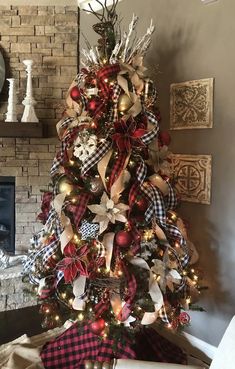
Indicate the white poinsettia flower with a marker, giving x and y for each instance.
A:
(108, 211)
(167, 276)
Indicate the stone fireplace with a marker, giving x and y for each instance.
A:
(28, 161)
(24, 163)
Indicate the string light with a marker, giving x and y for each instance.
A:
(57, 317)
(80, 317)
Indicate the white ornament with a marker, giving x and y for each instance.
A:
(85, 144)
(11, 108)
(29, 102)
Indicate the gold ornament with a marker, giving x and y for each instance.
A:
(97, 365)
(172, 216)
(106, 365)
(157, 181)
(89, 364)
(124, 103)
(64, 185)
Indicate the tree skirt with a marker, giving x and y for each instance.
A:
(73, 347)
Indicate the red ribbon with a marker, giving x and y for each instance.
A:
(105, 73)
(79, 209)
(127, 135)
(45, 207)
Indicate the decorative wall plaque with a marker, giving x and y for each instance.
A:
(193, 177)
(191, 104)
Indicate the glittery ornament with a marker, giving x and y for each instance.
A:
(123, 239)
(97, 326)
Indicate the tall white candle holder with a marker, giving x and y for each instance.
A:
(12, 100)
(29, 114)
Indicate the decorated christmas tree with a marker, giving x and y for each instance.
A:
(113, 256)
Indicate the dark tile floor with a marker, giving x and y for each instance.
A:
(14, 323)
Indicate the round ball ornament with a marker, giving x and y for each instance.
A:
(75, 93)
(96, 186)
(93, 104)
(97, 326)
(124, 103)
(184, 318)
(157, 181)
(64, 185)
(142, 204)
(123, 239)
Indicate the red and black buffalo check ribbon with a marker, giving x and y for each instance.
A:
(71, 349)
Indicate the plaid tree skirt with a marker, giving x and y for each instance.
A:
(72, 348)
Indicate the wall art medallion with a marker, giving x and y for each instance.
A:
(191, 104)
(193, 177)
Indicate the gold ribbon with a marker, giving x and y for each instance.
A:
(78, 290)
(102, 166)
(108, 245)
(67, 233)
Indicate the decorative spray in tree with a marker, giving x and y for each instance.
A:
(113, 254)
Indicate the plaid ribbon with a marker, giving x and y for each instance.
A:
(53, 223)
(116, 170)
(44, 253)
(171, 199)
(58, 160)
(62, 155)
(96, 156)
(157, 210)
(148, 137)
(72, 348)
(88, 230)
(105, 73)
(141, 173)
(117, 90)
(131, 292)
(45, 206)
(79, 209)
(63, 125)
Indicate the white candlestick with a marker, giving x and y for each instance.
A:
(29, 102)
(11, 108)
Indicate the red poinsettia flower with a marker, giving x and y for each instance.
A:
(74, 262)
(127, 135)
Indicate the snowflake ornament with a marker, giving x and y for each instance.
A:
(84, 145)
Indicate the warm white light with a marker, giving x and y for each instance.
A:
(83, 4)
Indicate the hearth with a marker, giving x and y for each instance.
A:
(7, 214)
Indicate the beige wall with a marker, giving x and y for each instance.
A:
(195, 41)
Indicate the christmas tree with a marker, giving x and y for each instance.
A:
(113, 255)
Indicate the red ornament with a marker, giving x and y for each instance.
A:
(123, 238)
(93, 104)
(75, 93)
(142, 204)
(184, 318)
(164, 138)
(97, 326)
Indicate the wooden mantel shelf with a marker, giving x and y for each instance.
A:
(19, 129)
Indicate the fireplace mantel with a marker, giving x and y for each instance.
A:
(19, 129)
